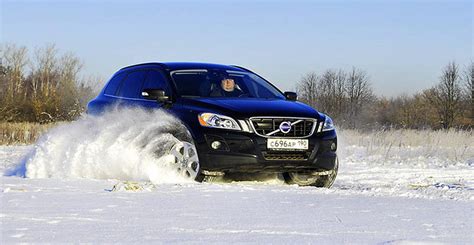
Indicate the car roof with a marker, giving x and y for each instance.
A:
(187, 65)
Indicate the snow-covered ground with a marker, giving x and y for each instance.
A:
(393, 187)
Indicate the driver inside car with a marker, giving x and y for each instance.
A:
(226, 88)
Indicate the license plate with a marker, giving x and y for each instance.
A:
(287, 144)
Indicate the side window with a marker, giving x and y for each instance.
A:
(114, 83)
(131, 86)
(155, 80)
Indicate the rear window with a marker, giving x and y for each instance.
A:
(132, 85)
(114, 83)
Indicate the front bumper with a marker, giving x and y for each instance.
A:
(247, 152)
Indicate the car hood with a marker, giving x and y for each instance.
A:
(250, 107)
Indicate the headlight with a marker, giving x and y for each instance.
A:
(212, 120)
(328, 124)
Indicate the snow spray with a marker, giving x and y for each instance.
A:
(126, 144)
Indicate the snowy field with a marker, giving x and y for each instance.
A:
(393, 187)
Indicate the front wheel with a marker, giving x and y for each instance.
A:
(312, 178)
(186, 159)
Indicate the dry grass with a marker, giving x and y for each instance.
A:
(22, 133)
(406, 144)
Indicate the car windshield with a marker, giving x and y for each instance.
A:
(223, 83)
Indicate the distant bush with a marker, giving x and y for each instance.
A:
(46, 87)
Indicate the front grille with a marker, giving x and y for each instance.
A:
(266, 126)
(285, 156)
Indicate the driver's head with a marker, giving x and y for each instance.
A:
(228, 84)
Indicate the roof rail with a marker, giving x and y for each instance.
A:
(142, 64)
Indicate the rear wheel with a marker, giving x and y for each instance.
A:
(312, 178)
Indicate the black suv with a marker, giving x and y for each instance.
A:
(237, 122)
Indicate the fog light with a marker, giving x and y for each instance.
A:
(333, 146)
(216, 145)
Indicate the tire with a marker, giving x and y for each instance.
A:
(186, 159)
(311, 178)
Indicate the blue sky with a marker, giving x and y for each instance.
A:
(401, 44)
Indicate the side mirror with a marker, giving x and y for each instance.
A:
(291, 96)
(155, 94)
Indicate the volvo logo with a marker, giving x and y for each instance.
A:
(285, 127)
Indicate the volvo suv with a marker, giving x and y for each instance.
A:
(237, 122)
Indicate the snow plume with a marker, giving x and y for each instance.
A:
(128, 144)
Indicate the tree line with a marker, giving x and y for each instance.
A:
(348, 97)
(44, 86)
(48, 86)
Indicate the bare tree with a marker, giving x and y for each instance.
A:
(325, 92)
(306, 88)
(12, 86)
(331, 93)
(68, 87)
(359, 94)
(342, 95)
(446, 96)
(469, 88)
(14, 59)
(340, 80)
(46, 70)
